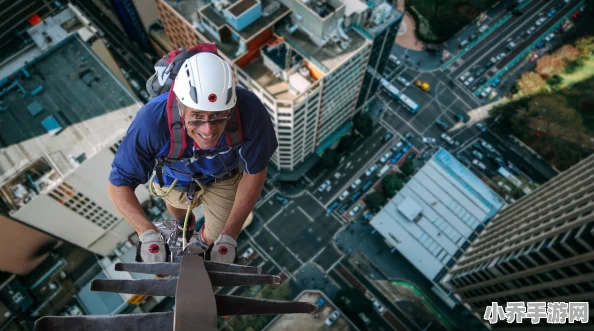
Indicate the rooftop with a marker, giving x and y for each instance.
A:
(310, 321)
(383, 15)
(64, 103)
(325, 58)
(437, 213)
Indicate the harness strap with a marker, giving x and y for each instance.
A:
(176, 129)
(234, 134)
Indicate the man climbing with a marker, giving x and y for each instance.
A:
(201, 135)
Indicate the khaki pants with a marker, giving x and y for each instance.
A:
(217, 200)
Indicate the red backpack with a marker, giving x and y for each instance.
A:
(166, 69)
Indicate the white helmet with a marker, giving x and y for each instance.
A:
(205, 82)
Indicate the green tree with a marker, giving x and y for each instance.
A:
(354, 301)
(555, 81)
(573, 66)
(363, 124)
(375, 200)
(407, 168)
(391, 184)
(330, 158)
(346, 143)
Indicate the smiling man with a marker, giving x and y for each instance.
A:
(207, 100)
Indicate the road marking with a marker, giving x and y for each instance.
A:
(283, 244)
(335, 263)
(304, 213)
(262, 251)
(317, 254)
(278, 212)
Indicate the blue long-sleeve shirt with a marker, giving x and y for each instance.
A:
(148, 138)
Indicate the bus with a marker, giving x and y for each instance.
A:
(402, 98)
(410, 105)
(389, 88)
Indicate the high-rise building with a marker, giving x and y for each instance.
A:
(62, 115)
(541, 248)
(306, 61)
(136, 16)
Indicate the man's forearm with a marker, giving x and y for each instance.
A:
(247, 194)
(127, 203)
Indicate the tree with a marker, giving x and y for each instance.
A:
(391, 184)
(549, 65)
(531, 83)
(330, 158)
(585, 46)
(363, 124)
(375, 200)
(555, 81)
(346, 143)
(407, 168)
(573, 66)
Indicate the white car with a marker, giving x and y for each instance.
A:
(356, 184)
(326, 186)
(464, 76)
(396, 147)
(343, 196)
(550, 37)
(355, 210)
(332, 318)
(248, 252)
(481, 126)
(540, 21)
(403, 81)
(529, 32)
(486, 92)
(386, 157)
(478, 155)
(469, 81)
(429, 141)
(448, 139)
(483, 28)
(479, 164)
(371, 170)
(501, 56)
(378, 306)
(488, 146)
(395, 59)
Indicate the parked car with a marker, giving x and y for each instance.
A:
(549, 37)
(540, 44)
(364, 318)
(483, 28)
(442, 125)
(473, 36)
(403, 81)
(479, 164)
(496, 82)
(332, 318)
(388, 136)
(487, 146)
(284, 201)
(332, 207)
(343, 195)
(371, 170)
(395, 59)
(367, 186)
(378, 306)
(356, 184)
(511, 46)
(469, 81)
(464, 76)
(355, 210)
(429, 140)
(501, 56)
(529, 31)
(482, 81)
(481, 126)
(463, 43)
(477, 154)
(540, 21)
(486, 92)
(386, 157)
(479, 72)
(407, 136)
(397, 147)
(326, 186)
(448, 139)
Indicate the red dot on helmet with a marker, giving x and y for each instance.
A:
(212, 97)
(154, 248)
(223, 250)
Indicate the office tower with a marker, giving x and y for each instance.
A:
(136, 17)
(538, 249)
(63, 113)
(306, 61)
(436, 216)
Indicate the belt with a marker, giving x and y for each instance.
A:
(222, 178)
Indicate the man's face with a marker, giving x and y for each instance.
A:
(205, 127)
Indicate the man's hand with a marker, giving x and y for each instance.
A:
(151, 248)
(224, 249)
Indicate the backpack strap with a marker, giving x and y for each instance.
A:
(234, 134)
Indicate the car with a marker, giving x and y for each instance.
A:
(248, 252)
(364, 318)
(478, 154)
(355, 196)
(540, 44)
(463, 43)
(482, 81)
(386, 157)
(344, 195)
(383, 170)
(481, 126)
(396, 158)
(461, 118)
(576, 15)
(464, 76)
(473, 36)
(326, 186)
(395, 59)
(442, 125)
(403, 81)
(411, 156)
(501, 56)
(479, 164)
(487, 146)
(388, 136)
(356, 184)
(529, 31)
(344, 207)
(540, 21)
(485, 93)
(495, 82)
(479, 72)
(367, 186)
(407, 136)
(355, 210)
(483, 28)
(490, 63)
(332, 207)
(284, 201)
(378, 306)
(320, 303)
(371, 170)
(332, 318)
(469, 81)
(429, 140)
(448, 139)
(397, 147)
(549, 37)
(511, 46)
(552, 12)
